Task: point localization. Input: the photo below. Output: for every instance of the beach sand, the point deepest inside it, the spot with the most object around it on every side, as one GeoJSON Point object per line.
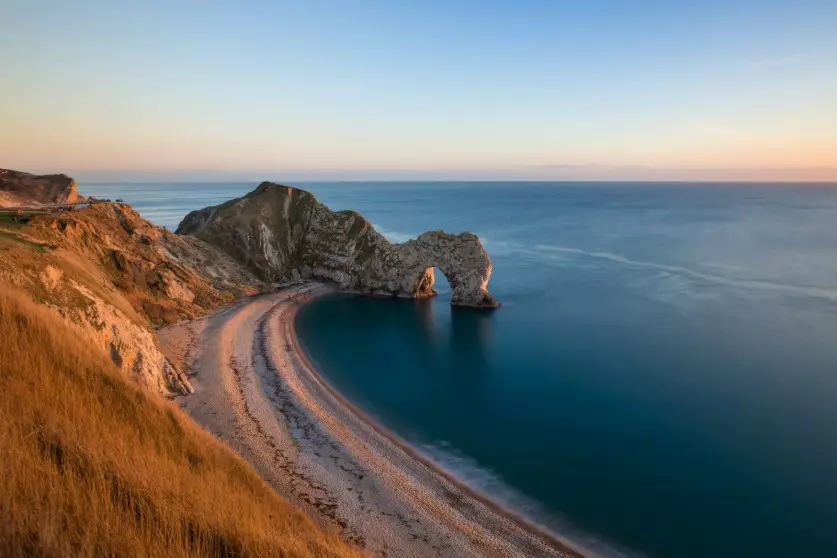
{"type": "Point", "coordinates": [255, 390]}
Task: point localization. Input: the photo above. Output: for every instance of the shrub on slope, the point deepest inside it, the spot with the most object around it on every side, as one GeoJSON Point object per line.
{"type": "Point", "coordinates": [92, 465]}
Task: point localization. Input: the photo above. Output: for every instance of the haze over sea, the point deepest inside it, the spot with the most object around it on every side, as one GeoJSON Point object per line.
{"type": "Point", "coordinates": [661, 376]}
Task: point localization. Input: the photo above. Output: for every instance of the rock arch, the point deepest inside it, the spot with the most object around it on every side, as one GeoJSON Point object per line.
{"type": "Point", "coordinates": [460, 257]}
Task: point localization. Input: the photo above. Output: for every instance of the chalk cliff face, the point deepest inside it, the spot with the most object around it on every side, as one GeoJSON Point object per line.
{"type": "Point", "coordinates": [284, 233]}
{"type": "Point", "coordinates": [22, 188]}
{"type": "Point", "coordinates": [112, 276]}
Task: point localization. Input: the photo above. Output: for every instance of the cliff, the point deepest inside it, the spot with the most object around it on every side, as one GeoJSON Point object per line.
{"type": "Point", "coordinates": [283, 233]}
{"type": "Point", "coordinates": [92, 465]}
{"type": "Point", "coordinates": [112, 277]}
{"type": "Point", "coordinates": [21, 188]}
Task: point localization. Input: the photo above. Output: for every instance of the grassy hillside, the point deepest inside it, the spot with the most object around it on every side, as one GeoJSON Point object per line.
{"type": "Point", "coordinates": [93, 465]}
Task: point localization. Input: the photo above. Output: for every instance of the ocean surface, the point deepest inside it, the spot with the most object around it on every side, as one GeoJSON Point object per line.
{"type": "Point", "coordinates": [661, 379]}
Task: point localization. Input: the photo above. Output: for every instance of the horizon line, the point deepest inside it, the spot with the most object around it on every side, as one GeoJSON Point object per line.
{"type": "Point", "coordinates": [496, 180]}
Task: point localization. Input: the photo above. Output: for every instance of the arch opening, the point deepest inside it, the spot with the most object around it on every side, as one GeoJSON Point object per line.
{"type": "Point", "coordinates": [441, 284]}
{"type": "Point", "coordinates": [432, 282]}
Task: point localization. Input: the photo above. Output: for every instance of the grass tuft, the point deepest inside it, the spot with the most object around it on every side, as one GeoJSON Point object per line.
{"type": "Point", "coordinates": [93, 466]}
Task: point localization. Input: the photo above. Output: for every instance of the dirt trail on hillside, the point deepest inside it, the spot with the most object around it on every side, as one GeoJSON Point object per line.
{"type": "Point", "coordinates": [256, 391]}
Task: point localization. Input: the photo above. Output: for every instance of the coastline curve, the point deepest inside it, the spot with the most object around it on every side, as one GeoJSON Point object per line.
{"type": "Point", "coordinates": [256, 389]}
{"type": "Point", "coordinates": [559, 543]}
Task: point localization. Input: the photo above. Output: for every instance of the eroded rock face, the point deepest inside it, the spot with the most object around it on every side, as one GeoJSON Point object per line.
{"type": "Point", "coordinates": [284, 233]}
{"type": "Point", "coordinates": [22, 188]}
{"type": "Point", "coordinates": [111, 275]}
{"type": "Point", "coordinates": [131, 347]}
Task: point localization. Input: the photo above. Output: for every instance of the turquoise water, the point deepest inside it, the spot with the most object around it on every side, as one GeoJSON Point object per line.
{"type": "Point", "coordinates": [662, 373]}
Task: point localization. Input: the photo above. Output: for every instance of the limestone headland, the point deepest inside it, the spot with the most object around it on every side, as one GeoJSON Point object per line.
{"type": "Point", "coordinates": [25, 189]}
{"type": "Point", "coordinates": [283, 234]}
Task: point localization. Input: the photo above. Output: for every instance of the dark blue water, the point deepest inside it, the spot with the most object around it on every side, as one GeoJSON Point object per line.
{"type": "Point", "coordinates": [662, 373]}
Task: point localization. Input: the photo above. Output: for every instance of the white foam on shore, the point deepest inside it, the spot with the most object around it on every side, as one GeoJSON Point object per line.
{"type": "Point", "coordinates": [485, 481]}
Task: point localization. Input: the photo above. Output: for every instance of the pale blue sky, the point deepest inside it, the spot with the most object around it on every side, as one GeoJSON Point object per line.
{"type": "Point", "coordinates": [423, 89]}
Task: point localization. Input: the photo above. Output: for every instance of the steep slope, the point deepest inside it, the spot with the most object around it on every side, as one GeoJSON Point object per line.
{"type": "Point", "coordinates": [112, 276]}
{"type": "Point", "coordinates": [283, 233]}
{"type": "Point", "coordinates": [94, 466]}
{"type": "Point", "coordinates": [22, 188]}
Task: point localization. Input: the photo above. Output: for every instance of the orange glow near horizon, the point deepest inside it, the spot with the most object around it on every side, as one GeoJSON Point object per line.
{"type": "Point", "coordinates": [30, 149]}
{"type": "Point", "coordinates": [134, 92]}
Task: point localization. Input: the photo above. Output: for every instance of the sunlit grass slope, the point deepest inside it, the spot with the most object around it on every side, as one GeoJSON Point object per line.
{"type": "Point", "coordinates": [92, 465]}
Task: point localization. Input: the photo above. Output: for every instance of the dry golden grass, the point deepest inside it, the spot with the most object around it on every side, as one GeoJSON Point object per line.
{"type": "Point", "coordinates": [91, 465]}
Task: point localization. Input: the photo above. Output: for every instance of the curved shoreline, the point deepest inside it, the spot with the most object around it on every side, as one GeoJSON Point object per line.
{"type": "Point", "coordinates": [256, 389]}
{"type": "Point", "coordinates": [561, 543]}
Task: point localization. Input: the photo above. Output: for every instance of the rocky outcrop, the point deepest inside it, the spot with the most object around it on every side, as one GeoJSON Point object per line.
{"type": "Point", "coordinates": [284, 233]}
{"type": "Point", "coordinates": [21, 188]}
{"type": "Point", "coordinates": [132, 347]}
{"type": "Point", "coordinates": [113, 276]}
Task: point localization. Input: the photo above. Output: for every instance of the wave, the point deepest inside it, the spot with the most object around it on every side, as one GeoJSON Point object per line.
{"type": "Point", "coordinates": [788, 288]}
{"type": "Point", "coordinates": [468, 471]}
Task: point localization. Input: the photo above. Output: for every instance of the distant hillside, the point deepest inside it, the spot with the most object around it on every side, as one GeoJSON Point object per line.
{"type": "Point", "coordinates": [95, 466]}
{"type": "Point", "coordinates": [21, 188]}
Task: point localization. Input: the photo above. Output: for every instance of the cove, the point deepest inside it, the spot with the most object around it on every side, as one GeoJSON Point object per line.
{"type": "Point", "coordinates": [609, 433]}
{"type": "Point", "coordinates": [660, 375]}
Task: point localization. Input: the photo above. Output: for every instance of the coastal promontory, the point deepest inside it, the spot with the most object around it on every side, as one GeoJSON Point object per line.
{"type": "Point", "coordinates": [22, 188]}
{"type": "Point", "coordinates": [283, 234]}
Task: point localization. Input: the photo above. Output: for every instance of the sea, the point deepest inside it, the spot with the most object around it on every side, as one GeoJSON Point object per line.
{"type": "Point", "coordinates": [660, 380]}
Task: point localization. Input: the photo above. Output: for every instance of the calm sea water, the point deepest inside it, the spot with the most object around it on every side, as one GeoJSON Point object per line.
{"type": "Point", "coordinates": [662, 375]}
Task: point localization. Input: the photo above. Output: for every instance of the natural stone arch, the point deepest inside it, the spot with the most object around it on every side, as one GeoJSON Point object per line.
{"type": "Point", "coordinates": [460, 257]}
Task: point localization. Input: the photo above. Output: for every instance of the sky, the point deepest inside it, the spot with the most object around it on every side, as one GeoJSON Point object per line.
{"type": "Point", "coordinates": [455, 89]}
